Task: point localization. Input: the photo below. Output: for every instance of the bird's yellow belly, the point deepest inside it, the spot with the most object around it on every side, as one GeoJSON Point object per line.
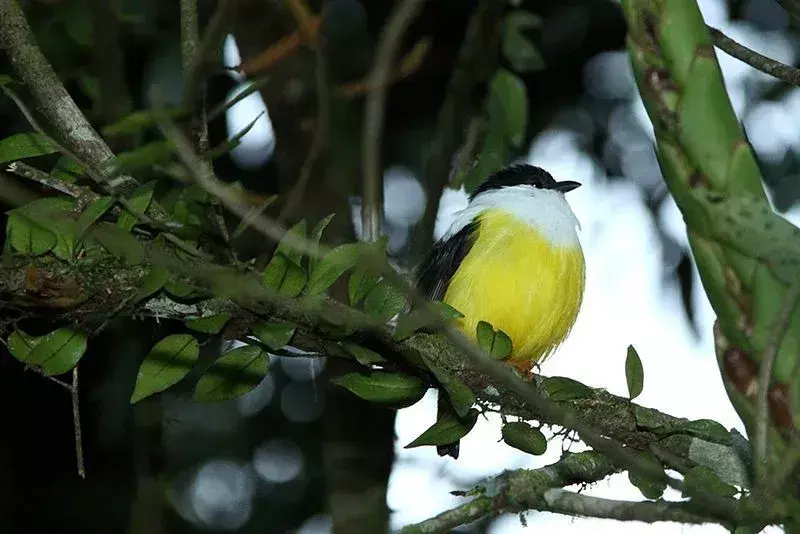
{"type": "Point", "coordinates": [515, 279]}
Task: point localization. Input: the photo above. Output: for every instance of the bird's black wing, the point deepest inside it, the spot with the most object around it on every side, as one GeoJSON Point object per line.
{"type": "Point", "coordinates": [437, 269]}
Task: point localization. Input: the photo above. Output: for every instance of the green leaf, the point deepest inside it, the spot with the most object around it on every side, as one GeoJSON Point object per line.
{"type": "Point", "coordinates": [54, 354]}
{"type": "Point", "coordinates": [211, 324]}
{"type": "Point", "coordinates": [524, 437]}
{"type": "Point", "coordinates": [421, 319]}
{"type": "Point", "coordinates": [508, 104]}
{"type": "Point", "coordinates": [154, 281]}
{"type": "Point", "coordinates": [139, 201]}
{"type": "Point", "coordinates": [96, 209]}
{"type": "Point", "coordinates": [143, 157]}
{"type": "Point", "coordinates": [288, 250]}
{"type": "Point", "coordinates": [520, 52]}
{"type": "Point", "coordinates": [561, 388]}
{"type": "Point", "coordinates": [702, 480]}
{"type": "Point", "coordinates": [396, 389]}
{"type": "Point", "coordinates": [57, 214]}
{"type": "Point", "coordinates": [180, 289]}
{"type": "Point", "coordinates": [705, 429]}
{"type": "Point", "coordinates": [66, 170]}
{"type": "Point", "coordinates": [492, 156]}
{"type": "Point", "coordinates": [235, 373]}
{"type": "Point", "coordinates": [495, 342]}
{"type": "Point", "coordinates": [316, 237]}
{"type": "Point", "coordinates": [140, 120]}
{"type": "Point", "coordinates": [228, 145]}
{"type": "Point", "coordinates": [650, 488]}
{"type": "Point", "coordinates": [286, 277]}
{"type": "Point", "coordinates": [384, 301]}
{"type": "Point", "coordinates": [364, 278]}
{"type": "Point", "coordinates": [169, 361]}
{"type": "Point", "coordinates": [274, 335]}
{"type": "Point", "coordinates": [119, 243]}
{"type": "Point", "coordinates": [333, 265]}
{"type": "Point", "coordinates": [446, 430]}
{"type": "Point", "coordinates": [359, 284]}
{"type": "Point", "coordinates": [28, 236]}
{"type": "Point", "coordinates": [634, 373]}
{"type": "Point", "coordinates": [363, 355]}
{"type": "Point", "coordinates": [25, 145]}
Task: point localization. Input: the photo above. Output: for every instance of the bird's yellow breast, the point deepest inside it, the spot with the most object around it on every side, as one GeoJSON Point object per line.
{"type": "Point", "coordinates": [517, 280]}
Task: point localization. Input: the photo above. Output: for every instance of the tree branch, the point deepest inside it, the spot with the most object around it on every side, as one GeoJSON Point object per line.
{"type": "Point", "coordinates": [541, 489]}
{"type": "Point", "coordinates": [754, 59]}
{"type": "Point", "coordinates": [54, 102]}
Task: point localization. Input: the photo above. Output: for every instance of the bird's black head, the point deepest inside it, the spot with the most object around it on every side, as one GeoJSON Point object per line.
{"type": "Point", "coordinates": [523, 175]}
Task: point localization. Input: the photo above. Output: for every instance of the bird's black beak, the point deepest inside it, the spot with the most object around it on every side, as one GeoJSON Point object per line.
{"type": "Point", "coordinates": [566, 186]}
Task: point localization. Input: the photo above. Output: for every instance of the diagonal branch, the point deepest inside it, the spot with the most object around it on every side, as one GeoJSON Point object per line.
{"type": "Point", "coordinates": [754, 59]}
{"type": "Point", "coordinates": [541, 489]}
{"type": "Point", "coordinates": [17, 39]}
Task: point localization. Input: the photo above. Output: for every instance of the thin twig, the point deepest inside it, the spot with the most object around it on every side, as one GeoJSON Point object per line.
{"type": "Point", "coordinates": [766, 65]}
{"type": "Point", "coordinates": [774, 341]}
{"type": "Point", "coordinates": [378, 79]}
{"type": "Point", "coordinates": [76, 421]}
{"type": "Point", "coordinates": [23, 170]}
{"type": "Point", "coordinates": [193, 55]}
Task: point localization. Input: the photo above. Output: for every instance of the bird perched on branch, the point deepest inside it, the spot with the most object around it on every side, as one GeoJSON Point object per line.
{"type": "Point", "coordinates": [511, 258]}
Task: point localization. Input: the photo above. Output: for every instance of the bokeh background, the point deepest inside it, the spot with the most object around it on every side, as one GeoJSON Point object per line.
{"type": "Point", "coordinates": [262, 463]}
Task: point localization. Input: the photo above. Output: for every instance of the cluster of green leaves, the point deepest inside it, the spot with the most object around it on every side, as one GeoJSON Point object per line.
{"type": "Point", "coordinates": [506, 105]}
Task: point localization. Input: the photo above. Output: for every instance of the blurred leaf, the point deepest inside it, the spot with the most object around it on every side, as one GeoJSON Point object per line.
{"type": "Point", "coordinates": [140, 120]}
{"type": "Point", "coordinates": [508, 106]}
{"type": "Point", "coordinates": [284, 276]}
{"type": "Point", "coordinates": [364, 278]}
{"type": "Point", "coordinates": [211, 324]}
{"type": "Point", "coordinates": [7, 80]}
{"type": "Point", "coordinates": [232, 375]}
{"type": "Point", "coordinates": [287, 249]}
{"type": "Point", "coordinates": [154, 281]}
{"type": "Point", "coordinates": [446, 430]}
{"type": "Point", "coordinates": [169, 361]}
{"type": "Point", "coordinates": [96, 209]}
{"type": "Point", "coordinates": [274, 335]}
{"type": "Point", "coordinates": [634, 373]}
{"type": "Point", "coordinates": [25, 145]}
{"type": "Point", "coordinates": [524, 437]}
{"type": "Point", "coordinates": [53, 354]}
{"type": "Point", "coordinates": [43, 225]}
{"type": "Point", "coordinates": [180, 289]}
{"type": "Point", "coordinates": [66, 170]}
{"type": "Point", "coordinates": [228, 145]}
{"type": "Point", "coordinates": [705, 429]}
{"type": "Point", "coordinates": [492, 157]}
{"type": "Point", "coordinates": [363, 355]}
{"type": "Point", "coordinates": [560, 388]}
{"type": "Point", "coordinates": [28, 236]}
{"type": "Point", "coordinates": [139, 200]}
{"type": "Point", "coordinates": [384, 301]}
{"type": "Point", "coordinates": [701, 480]}
{"type": "Point", "coordinates": [417, 320]}
{"type": "Point", "coordinates": [396, 389]}
{"type": "Point", "coordinates": [521, 53]}
{"type": "Point", "coordinates": [650, 488]}
{"type": "Point", "coordinates": [333, 265]}
{"type": "Point", "coordinates": [143, 157]}
{"type": "Point", "coordinates": [118, 243]}
{"type": "Point", "coordinates": [316, 237]}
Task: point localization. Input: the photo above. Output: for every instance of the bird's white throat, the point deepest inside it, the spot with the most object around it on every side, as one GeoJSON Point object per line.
{"type": "Point", "coordinates": [545, 210]}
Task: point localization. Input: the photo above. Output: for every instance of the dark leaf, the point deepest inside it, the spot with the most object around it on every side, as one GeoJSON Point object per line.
{"type": "Point", "coordinates": [235, 373]}
{"type": "Point", "coordinates": [446, 430]}
{"type": "Point", "coordinates": [169, 361]}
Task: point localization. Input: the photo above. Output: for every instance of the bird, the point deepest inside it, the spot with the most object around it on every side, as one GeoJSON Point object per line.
{"type": "Point", "coordinates": [511, 258]}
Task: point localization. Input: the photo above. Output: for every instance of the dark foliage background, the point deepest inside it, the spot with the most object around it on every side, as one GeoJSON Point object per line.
{"type": "Point", "coordinates": [141, 460]}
